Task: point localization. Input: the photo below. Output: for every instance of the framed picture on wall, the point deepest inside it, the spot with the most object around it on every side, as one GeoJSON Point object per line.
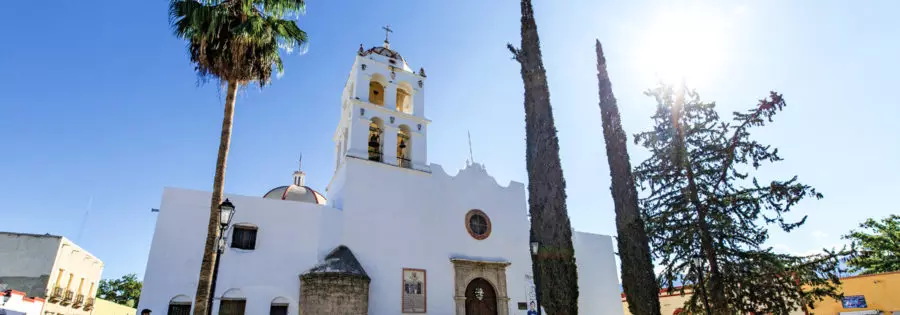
{"type": "Point", "coordinates": [414, 291]}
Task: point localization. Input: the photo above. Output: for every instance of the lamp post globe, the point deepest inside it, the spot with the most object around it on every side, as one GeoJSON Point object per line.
{"type": "Point", "coordinates": [226, 212]}
{"type": "Point", "coordinates": [534, 248]}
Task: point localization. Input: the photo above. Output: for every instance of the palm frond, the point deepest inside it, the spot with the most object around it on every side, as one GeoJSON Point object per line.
{"type": "Point", "coordinates": [237, 40]}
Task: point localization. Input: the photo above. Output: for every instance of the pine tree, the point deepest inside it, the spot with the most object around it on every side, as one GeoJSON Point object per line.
{"type": "Point", "coordinates": [638, 280]}
{"type": "Point", "coordinates": [703, 201]}
{"type": "Point", "coordinates": [550, 225]}
{"type": "Point", "coordinates": [879, 244]}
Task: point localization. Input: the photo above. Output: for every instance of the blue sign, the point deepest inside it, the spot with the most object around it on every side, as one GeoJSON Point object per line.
{"type": "Point", "coordinates": [855, 301]}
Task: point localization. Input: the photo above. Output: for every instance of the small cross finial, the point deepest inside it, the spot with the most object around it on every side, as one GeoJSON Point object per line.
{"type": "Point", "coordinates": [387, 32]}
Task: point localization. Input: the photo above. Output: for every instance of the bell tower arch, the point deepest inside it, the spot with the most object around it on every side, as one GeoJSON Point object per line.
{"type": "Point", "coordinates": [385, 92]}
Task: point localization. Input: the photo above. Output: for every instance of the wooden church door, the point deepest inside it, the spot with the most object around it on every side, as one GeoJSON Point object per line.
{"type": "Point", "coordinates": [480, 298]}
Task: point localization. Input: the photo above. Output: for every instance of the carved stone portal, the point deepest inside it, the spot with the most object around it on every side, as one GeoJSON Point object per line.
{"type": "Point", "coordinates": [467, 270]}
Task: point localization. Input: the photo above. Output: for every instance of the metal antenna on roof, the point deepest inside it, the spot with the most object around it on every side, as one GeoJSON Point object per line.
{"type": "Point", "coordinates": [84, 219]}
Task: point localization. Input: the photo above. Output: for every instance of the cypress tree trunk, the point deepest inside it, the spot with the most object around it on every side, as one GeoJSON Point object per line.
{"type": "Point", "coordinates": [546, 186]}
{"type": "Point", "coordinates": [209, 250]}
{"type": "Point", "coordinates": [638, 279]}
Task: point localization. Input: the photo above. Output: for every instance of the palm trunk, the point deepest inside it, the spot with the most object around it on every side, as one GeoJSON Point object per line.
{"type": "Point", "coordinates": [715, 289]}
{"type": "Point", "coordinates": [546, 185]}
{"type": "Point", "coordinates": [638, 278]}
{"type": "Point", "coordinates": [209, 250]}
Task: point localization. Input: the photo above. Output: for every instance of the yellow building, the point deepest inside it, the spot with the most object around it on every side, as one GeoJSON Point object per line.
{"type": "Point", "coordinates": [880, 292]}
{"type": "Point", "coordinates": [104, 307]}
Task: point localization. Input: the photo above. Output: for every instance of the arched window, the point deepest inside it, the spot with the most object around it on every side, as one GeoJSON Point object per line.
{"type": "Point", "coordinates": [376, 93]}
{"type": "Point", "coordinates": [375, 139]}
{"type": "Point", "coordinates": [279, 306]}
{"type": "Point", "coordinates": [404, 146]}
{"type": "Point", "coordinates": [180, 305]}
{"type": "Point", "coordinates": [403, 100]}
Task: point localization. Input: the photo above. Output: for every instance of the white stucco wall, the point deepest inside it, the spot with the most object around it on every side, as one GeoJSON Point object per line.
{"type": "Point", "coordinates": [289, 241]}
{"type": "Point", "coordinates": [16, 301]}
{"type": "Point", "coordinates": [27, 262]}
{"type": "Point", "coordinates": [598, 283]}
{"type": "Point", "coordinates": [411, 219]}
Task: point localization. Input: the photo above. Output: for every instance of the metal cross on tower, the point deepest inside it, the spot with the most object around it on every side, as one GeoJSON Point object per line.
{"type": "Point", "coordinates": [300, 162]}
{"type": "Point", "coordinates": [387, 32]}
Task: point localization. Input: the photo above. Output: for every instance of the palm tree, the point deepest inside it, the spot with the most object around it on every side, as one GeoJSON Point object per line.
{"type": "Point", "coordinates": [234, 42]}
{"type": "Point", "coordinates": [555, 263]}
{"type": "Point", "coordinates": [638, 279]}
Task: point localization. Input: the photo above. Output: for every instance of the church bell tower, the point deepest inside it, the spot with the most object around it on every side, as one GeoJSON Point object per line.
{"type": "Point", "coordinates": [383, 111]}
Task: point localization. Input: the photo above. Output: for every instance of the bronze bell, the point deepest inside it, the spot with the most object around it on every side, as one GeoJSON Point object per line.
{"type": "Point", "coordinates": [402, 144]}
{"type": "Point", "coordinates": [373, 141]}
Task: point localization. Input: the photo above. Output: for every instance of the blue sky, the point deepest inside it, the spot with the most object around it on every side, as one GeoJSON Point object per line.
{"type": "Point", "coordinates": [100, 108]}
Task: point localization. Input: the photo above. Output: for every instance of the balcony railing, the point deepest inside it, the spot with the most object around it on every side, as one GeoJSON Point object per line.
{"type": "Point", "coordinates": [67, 298]}
{"type": "Point", "coordinates": [375, 155]}
{"type": "Point", "coordinates": [55, 295]}
{"type": "Point", "coordinates": [79, 301]}
{"type": "Point", "coordinates": [404, 163]}
{"type": "Point", "coordinates": [89, 305]}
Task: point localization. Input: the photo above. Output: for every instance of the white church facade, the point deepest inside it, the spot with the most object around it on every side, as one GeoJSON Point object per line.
{"type": "Point", "coordinates": [392, 234]}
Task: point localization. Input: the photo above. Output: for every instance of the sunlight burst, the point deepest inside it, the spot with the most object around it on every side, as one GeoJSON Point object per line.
{"type": "Point", "coordinates": [684, 46]}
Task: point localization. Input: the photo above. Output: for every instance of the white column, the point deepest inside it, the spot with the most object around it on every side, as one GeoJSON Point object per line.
{"type": "Point", "coordinates": [419, 102]}
{"type": "Point", "coordinates": [359, 136]}
{"type": "Point", "coordinates": [362, 86]}
{"type": "Point", "coordinates": [390, 97]}
{"type": "Point", "coordinates": [389, 144]}
{"type": "Point", "coordinates": [419, 149]}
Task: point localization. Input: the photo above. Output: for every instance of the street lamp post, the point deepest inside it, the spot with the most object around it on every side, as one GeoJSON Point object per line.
{"type": "Point", "coordinates": [226, 212]}
{"type": "Point", "coordinates": [698, 263]}
{"type": "Point", "coordinates": [535, 247]}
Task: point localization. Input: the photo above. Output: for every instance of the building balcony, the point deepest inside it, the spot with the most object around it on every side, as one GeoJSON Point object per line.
{"type": "Point", "coordinates": [55, 295]}
{"type": "Point", "coordinates": [375, 155]}
{"type": "Point", "coordinates": [89, 305]}
{"type": "Point", "coordinates": [404, 163]}
{"type": "Point", "coordinates": [68, 296]}
{"type": "Point", "coordinates": [79, 301]}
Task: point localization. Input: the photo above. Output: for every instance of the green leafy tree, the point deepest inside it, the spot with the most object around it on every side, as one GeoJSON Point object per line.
{"type": "Point", "coordinates": [702, 200]}
{"type": "Point", "coordinates": [638, 279]}
{"type": "Point", "coordinates": [550, 225]}
{"type": "Point", "coordinates": [235, 42]}
{"type": "Point", "coordinates": [879, 246]}
{"type": "Point", "coordinates": [125, 290]}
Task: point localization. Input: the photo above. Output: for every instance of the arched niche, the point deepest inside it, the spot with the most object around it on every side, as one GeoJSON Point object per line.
{"type": "Point", "coordinates": [377, 86]}
{"type": "Point", "coordinates": [404, 98]}
{"type": "Point", "coordinates": [404, 147]}
{"type": "Point", "coordinates": [376, 139]}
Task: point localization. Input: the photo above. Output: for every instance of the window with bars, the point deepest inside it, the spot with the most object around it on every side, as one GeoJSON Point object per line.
{"type": "Point", "coordinates": [232, 307]}
{"type": "Point", "coordinates": [179, 309]}
{"type": "Point", "coordinates": [278, 309]}
{"type": "Point", "coordinates": [244, 237]}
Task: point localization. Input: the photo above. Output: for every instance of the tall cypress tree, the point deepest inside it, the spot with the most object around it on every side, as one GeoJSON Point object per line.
{"type": "Point", "coordinates": [555, 263]}
{"type": "Point", "coordinates": [638, 279]}
{"type": "Point", "coordinates": [703, 201]}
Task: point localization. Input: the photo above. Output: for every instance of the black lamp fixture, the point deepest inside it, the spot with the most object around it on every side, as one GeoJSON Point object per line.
{"type": "Point", "coordinates": [226, 213]}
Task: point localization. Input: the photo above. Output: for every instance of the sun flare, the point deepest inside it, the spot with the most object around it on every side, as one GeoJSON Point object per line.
{"type": "Point", "coordinates": [684, 46]}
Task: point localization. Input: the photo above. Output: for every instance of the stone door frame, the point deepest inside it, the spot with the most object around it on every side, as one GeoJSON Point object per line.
{"type": "Point", "coordinates": [467, 270]}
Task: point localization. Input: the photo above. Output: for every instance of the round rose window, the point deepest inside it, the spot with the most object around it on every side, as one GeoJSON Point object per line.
{"type": "Point", "coordinates": [478, 224]}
